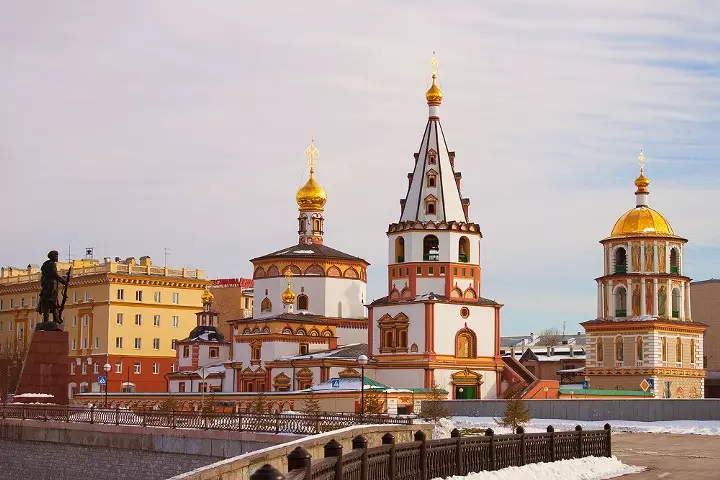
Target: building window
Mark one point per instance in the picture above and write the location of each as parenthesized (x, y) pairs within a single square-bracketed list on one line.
[(619, 354), (431, 270), (186, 351), (173, 343), (620, 260), (138, 343), (118, 367), (675, 303), (138, 295), (431, 248), (32, 301), (119, 319), (599, 350), (136, 367), (317, 227), (639, 348), (83, 368), (120, 294), (156, 368), (304, 349), (432, 157), (465, 344), (181, 387), (302, 301), (176, 298), (96, 368), (678, 350), (85, 320), (442, 270), (463, 250), (2, 304), (85, 296), (156, 321), (430, 205), (74, 322), (431, 179), (399, 249), (157, 297), (22, 301), (674, 261), (692, 351), (664, 349), (255, 351), (84, 343), (75, 299), (172, 368), (214, 352), (118, 342), (138, 319), (266, 305), (620, 302), (73, 347), (72, 368), (156, 344), (175, 322), (97, 342)]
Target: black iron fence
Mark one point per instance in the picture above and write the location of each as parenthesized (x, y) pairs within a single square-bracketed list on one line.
[(307, 424), (426, 459)]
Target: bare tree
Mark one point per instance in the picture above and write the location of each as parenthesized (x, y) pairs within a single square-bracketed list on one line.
[(550, 337), (12, 356)]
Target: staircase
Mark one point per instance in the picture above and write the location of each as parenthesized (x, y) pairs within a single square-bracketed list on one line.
[(528, 386)]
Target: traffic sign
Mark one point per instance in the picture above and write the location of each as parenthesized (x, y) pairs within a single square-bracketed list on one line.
[(585, 384), (102, 380), (647, 384), (335, 383)]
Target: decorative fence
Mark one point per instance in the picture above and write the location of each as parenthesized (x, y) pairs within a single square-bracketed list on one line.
[(427, 459), (307, 424)]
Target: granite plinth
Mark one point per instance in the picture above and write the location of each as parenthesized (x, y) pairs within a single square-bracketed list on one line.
[(46, 369)]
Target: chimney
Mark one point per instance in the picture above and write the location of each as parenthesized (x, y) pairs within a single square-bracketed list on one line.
[(533, 337), (145, 261), (466, 207), (549, 351), (410, 177), (572, 353), (512, 351), (458, 177), (452, 159)]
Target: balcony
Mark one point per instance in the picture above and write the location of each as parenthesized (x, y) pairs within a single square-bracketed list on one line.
[(400, 259), (675, 314), (431, 257), (621, 313), (620, 268), (463, 258), (675, 269)]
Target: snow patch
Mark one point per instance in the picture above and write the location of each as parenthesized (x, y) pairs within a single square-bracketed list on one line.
[(304, 252), (588, 468)]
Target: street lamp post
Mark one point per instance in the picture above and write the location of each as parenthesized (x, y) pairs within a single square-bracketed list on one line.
[(546, 392), (107, 368), (362, 360)]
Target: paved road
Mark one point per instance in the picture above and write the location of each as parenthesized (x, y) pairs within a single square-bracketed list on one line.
[(669, 457), (59, 461)]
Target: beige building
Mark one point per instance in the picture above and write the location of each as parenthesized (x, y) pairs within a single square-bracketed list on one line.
[(232, 299), (706, 309), (125, 313)]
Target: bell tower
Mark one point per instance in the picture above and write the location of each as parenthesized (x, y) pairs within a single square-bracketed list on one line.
[(311, 199)]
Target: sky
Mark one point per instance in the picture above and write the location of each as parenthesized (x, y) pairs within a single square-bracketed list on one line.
[(141, 125)]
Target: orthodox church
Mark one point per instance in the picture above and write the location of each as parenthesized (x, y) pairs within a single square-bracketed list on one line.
[(433, 327), (644, 333)]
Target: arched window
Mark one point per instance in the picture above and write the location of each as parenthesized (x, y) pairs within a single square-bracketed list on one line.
[(287, 331), (639, 348), (266, 330), (599, 350), (300, 331), (256, 330), (431, 248), (463, 250), (619, 353), (692, 351), (388, 339), (431, 179), (399, 249), (302, 224), (620, 260), (465, 344), (302, 302), (676, 303), (430, 205), (247, 331), (674, 261), (317, 225), (678, 350), (620, 302), (402, 339), (266, 305), (327, 333), (314, 333), (664, 349)]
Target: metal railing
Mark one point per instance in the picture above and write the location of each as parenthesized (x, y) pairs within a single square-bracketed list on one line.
[(620, 268), (426, 459), (307, 424)]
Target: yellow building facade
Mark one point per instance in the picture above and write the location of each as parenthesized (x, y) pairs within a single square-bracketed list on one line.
[(125, 313)]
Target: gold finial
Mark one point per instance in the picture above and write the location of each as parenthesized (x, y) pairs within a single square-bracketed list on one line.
[(312, 154), (288, 296), (642, 181), (641, 161), (207, 297), (434, 95)]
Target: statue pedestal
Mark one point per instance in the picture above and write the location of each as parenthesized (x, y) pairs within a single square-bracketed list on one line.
[(46, 369)]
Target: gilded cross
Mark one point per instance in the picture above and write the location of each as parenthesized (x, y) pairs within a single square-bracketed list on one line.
[(641, 161), (288, 276), (434, 64), (312, 154)]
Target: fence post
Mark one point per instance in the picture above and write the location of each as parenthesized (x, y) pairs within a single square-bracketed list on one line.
[(267, 472), (172, 418), (144, 417), (277, 422), (67, 414), (92, 414), (420, 437), (334, 449), (523, 449), (44, 414), (489, 433), (298, 459), (389, 439), (458, 451), (317, 424), (578, 429), (551, 431), (360, 442), (608, 453), (23, 412)]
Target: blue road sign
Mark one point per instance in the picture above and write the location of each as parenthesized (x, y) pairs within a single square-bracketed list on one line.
[(585, 384), (651, 382), (335, 383), (102, 380)]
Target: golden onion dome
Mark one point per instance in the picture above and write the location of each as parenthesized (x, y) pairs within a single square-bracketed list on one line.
[(434, 95), (311, 196), (641, 220), (207, 297), (642, 183), (288, 296)]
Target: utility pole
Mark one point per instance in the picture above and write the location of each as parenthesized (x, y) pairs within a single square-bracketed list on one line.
[(166, 254)]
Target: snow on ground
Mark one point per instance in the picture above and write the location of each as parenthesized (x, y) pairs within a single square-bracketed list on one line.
[(694, 427), (588, 468)]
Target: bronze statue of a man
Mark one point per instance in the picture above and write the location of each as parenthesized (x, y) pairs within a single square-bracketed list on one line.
[(49, 280)]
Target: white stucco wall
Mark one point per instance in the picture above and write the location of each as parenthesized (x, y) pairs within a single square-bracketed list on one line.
[(351, 335), (401, 378), (425, 285), (448, 321), (329, 296), (416, 328)]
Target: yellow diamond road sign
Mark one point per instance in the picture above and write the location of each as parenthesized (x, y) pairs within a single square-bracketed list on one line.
[(644, 385)]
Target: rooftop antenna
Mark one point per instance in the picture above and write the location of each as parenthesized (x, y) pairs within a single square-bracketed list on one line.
[(68, 257), (166, 254), (564, 328)]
